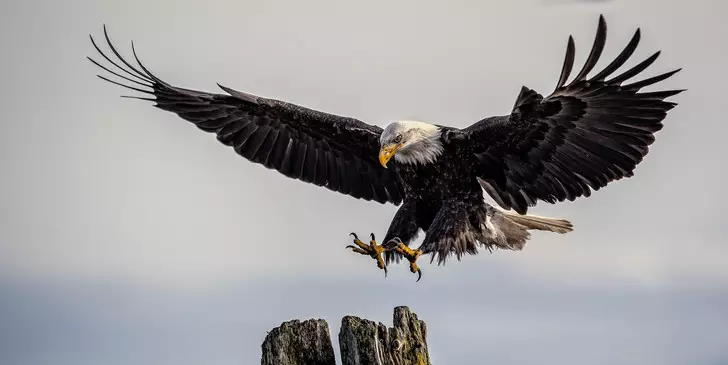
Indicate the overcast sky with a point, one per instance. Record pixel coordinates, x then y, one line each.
128 236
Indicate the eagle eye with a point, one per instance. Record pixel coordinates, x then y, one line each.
398 138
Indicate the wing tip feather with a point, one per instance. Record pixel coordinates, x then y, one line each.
598 44
239 94
636 86
568 63
623 56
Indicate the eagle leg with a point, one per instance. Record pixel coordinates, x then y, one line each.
372 249
411 256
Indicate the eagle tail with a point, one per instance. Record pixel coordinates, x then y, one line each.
540 223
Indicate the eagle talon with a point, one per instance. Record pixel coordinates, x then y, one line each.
411 256
372 249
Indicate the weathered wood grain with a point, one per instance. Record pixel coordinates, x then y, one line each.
361 342
364 342
299 343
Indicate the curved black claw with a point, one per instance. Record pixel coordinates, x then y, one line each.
411 256
372 250
392 243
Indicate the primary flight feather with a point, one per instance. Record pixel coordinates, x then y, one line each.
580 137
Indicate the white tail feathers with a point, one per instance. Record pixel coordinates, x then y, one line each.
541 223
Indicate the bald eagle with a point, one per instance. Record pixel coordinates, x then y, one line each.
585 134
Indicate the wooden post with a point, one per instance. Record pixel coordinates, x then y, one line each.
361 342
299 343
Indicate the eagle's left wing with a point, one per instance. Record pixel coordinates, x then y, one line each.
581 137
336 152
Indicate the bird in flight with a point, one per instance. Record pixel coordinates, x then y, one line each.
585 134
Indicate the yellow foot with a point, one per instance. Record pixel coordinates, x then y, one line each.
411 256
372 249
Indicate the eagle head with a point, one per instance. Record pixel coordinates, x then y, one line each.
410 142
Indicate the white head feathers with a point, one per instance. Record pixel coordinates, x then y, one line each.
420 142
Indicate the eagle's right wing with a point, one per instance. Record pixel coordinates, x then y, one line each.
328 150
581 137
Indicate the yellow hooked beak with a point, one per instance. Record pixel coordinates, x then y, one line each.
386 153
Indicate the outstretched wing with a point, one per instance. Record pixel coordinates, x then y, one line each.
583 136
337 152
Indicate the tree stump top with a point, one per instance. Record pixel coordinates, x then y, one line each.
299 343
364 342
361 342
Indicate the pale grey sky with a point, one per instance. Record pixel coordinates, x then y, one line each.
127 230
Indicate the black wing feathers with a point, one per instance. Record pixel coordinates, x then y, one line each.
584 135
568 63
336 152
599 41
